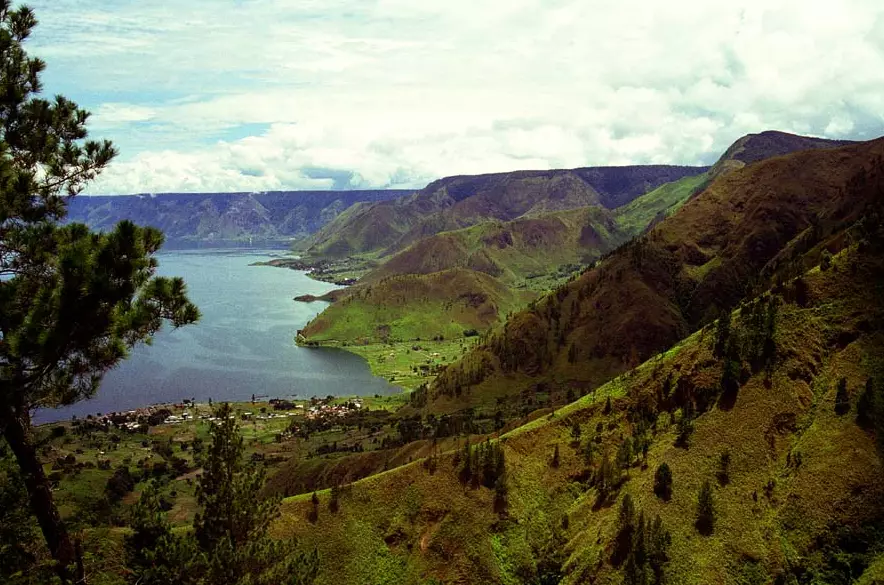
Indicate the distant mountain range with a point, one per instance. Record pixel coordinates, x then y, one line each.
273 218
385 227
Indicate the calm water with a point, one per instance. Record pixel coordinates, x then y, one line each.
243 344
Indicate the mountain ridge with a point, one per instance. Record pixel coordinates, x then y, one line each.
451 203
195 219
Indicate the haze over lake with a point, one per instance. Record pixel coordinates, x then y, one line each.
243 344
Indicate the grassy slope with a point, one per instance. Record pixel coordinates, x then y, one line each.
537 252
516 252
400 362
637 215
753 225
408 525
413 307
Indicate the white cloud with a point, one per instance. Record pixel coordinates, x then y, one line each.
269 94
111 114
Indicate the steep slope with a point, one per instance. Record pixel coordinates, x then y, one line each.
457 202
199 218
748 229
538 250
796 499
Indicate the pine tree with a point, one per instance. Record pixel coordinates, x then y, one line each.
555 459
20 538
625 531
154 555
72 302
842 400
685 428
605 481
663 481
589 452
229 544
867 406
705 509
625 454
722 335
466 469
575 432
659 540
334 500
724 464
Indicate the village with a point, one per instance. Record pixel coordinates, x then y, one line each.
140 419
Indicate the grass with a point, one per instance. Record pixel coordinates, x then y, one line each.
415 308
400 362
663 201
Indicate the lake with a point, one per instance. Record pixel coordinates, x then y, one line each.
242 345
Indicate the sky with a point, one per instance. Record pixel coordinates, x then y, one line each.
258 95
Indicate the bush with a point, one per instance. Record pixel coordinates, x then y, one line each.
120 483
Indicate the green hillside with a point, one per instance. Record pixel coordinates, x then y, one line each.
524 253
415 307
465 280
637 215
794 477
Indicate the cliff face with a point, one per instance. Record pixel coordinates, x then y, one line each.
193 220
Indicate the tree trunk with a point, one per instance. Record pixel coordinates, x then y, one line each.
17 431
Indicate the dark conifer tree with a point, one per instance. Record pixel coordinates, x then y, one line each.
663 481
842 400
867 406
705 509
625 531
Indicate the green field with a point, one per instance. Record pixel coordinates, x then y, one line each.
410 364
